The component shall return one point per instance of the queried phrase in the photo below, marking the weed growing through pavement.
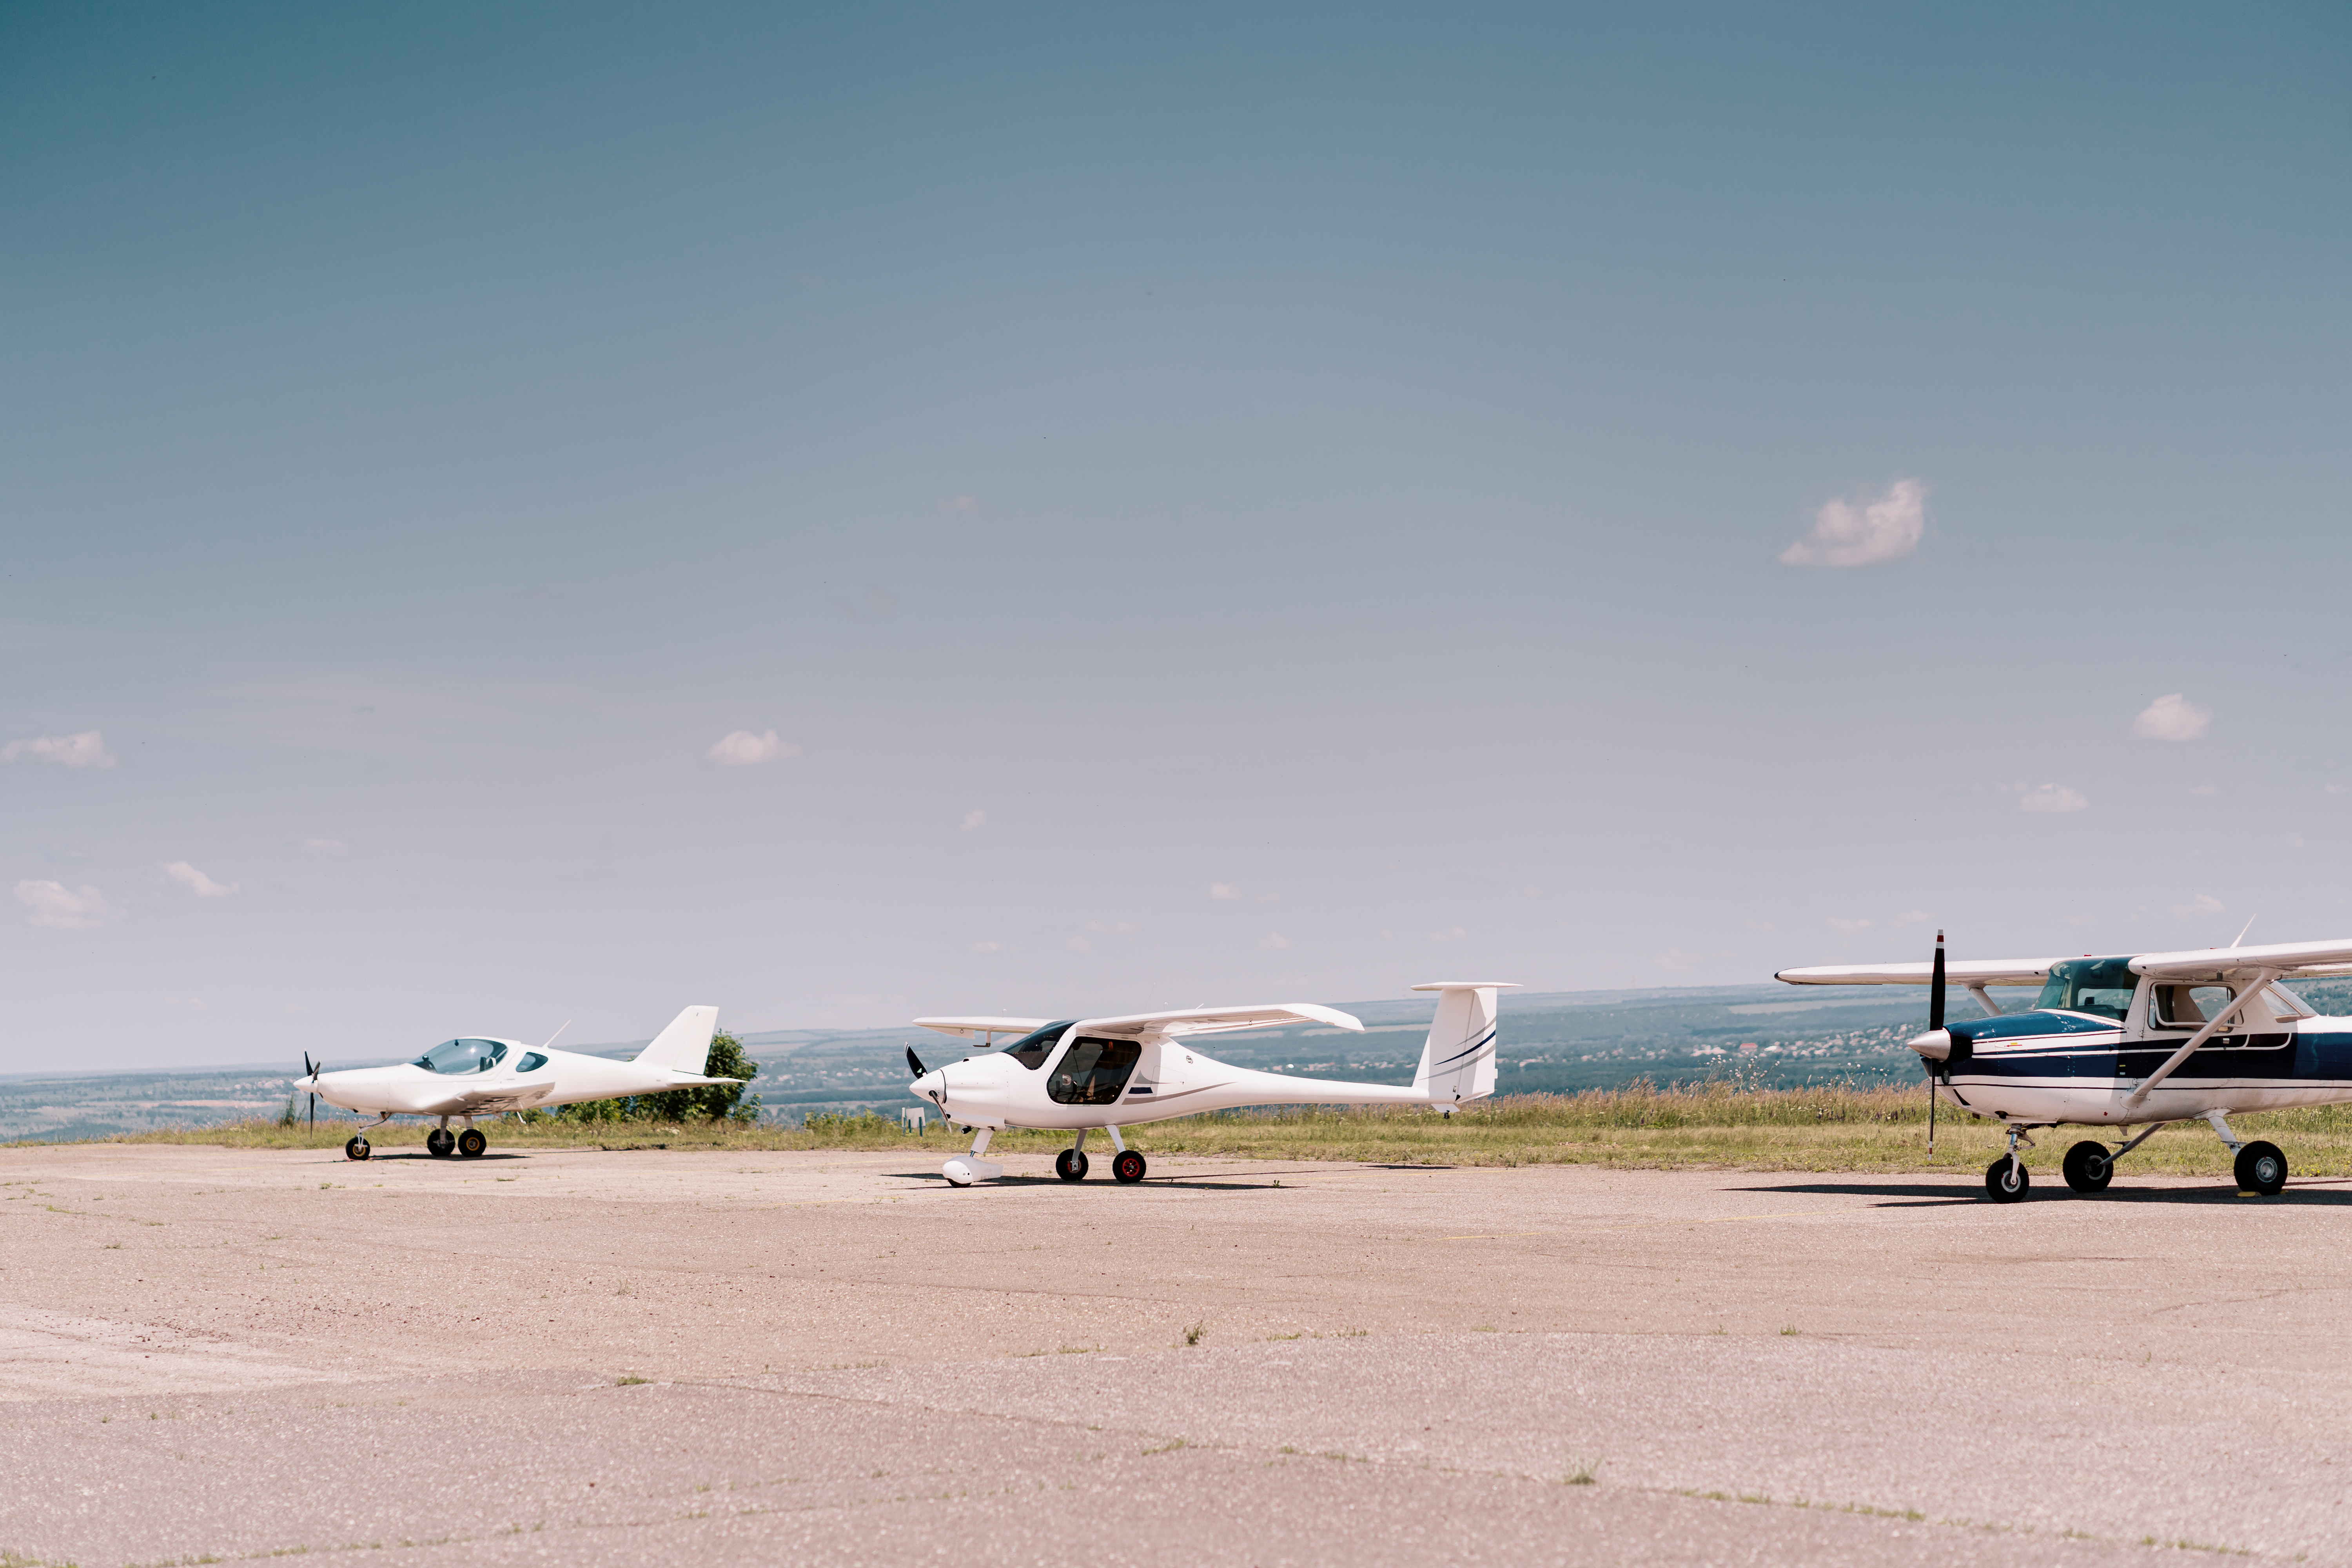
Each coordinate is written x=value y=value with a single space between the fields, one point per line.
x=1193 y=1335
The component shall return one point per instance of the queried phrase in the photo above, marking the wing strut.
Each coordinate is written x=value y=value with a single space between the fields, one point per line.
x=2138 y=1097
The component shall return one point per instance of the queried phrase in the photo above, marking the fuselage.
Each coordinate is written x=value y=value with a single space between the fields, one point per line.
x=1091 y=1081
x=2060 y=1064
x=478 y=1076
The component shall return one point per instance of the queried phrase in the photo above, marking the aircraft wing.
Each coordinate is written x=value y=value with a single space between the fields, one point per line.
x=2289 y=958
x=1219 y=1020
x=1960 y=972
x=966 y=1027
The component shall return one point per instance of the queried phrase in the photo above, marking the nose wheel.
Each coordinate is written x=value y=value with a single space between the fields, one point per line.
x=1070 y=1165
x=355 y=1148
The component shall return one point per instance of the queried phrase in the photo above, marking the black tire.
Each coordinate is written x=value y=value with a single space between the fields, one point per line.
x=1070 y=1165
x=2261 y=1168
x=356 y=1149
x=2089 y=1167
x=2006 y=1181
x=1127 y=1168
x=472 y=1143
x=440 y=1142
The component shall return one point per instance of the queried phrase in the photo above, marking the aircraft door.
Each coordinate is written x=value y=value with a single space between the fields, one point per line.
x=1094 y=1071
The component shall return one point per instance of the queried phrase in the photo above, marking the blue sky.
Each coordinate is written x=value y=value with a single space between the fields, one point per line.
x=1224 y=503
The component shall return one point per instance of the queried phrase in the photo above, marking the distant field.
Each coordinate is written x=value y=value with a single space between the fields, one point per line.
x=1822 y=1129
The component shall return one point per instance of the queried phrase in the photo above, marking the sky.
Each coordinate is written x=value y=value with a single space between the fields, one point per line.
x=528 y=514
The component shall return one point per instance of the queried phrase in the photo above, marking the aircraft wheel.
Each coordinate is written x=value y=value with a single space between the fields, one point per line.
x=355 y=1148
x=1070 y=1165
x=2007 y=1180
x=2262 y=1169
x=1127 y=1167
x=440 y=1143
x=2089 y=1167
x=470 y=1143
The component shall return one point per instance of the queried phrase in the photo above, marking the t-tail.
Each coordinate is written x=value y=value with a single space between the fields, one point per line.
x=1458 y=1062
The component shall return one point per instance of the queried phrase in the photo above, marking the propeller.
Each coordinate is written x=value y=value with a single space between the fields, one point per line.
x=1935 y=1022
x=915 y=1063
x=311 y=1072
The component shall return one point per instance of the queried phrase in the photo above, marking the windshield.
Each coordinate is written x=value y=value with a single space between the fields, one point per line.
x=1032 y=1049
x=2101 y=985
x=462 y=1056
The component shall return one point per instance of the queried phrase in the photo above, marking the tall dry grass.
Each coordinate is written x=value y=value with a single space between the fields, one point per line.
x=1641 y=1126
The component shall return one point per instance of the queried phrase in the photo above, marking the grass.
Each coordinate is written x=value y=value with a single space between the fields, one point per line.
x=1640 y=1127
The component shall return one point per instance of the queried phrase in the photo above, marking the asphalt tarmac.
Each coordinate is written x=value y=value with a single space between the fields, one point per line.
x=585 y=1357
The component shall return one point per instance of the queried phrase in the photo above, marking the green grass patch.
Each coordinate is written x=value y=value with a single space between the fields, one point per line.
x=1640 y=1127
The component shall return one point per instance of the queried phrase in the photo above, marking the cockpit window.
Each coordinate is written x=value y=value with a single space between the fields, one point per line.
x=1032 y=1049
x=531 y=1062
x=462 y=1056
x=2100 y=985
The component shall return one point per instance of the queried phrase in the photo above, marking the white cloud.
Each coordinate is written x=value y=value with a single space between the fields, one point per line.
x=2202 y=904
x=1913 y=918
x=2172 y=717
x=331 y=846
x=1886 y=528
x=196 y=881
x=64 y=909
x=960 y=503
x=2210 y=790
x=1273 y=941
x=2337 y=788
x=2294 y=841
x=1223 y=890
x=2049 y=797
x=973 y=818
x=1457 y=934
x=86 y=750
x=1078 y=945
x=1848 y=927
x=985 y=947
x=185 y=1000
x=740 y=749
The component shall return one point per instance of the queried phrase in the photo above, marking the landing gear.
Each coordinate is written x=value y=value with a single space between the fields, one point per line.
x=470 y=1143
x=2089 y=1167
x=440 y=1142
x=966 y=1169
x=1070 y=1165
x=355 y=1148
x=2262 y=1169
x=1127 y=1167
x=2006 y=1181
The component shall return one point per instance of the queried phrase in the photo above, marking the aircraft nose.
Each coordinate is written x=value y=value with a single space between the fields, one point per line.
x=1936 y=1045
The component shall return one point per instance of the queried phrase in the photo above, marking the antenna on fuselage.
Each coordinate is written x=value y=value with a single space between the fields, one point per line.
x=560 y=1028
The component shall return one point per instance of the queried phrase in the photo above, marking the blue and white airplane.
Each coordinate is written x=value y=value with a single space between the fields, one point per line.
x=2126 y=1041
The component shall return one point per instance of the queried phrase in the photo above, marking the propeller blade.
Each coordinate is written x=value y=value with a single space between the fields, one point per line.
x=915 y=1063
x=307 y=1070
x=1934 y=1021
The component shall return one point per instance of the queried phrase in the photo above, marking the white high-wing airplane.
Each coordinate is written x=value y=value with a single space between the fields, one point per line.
x=1080 y=1074
x=2126 y=1040
x=476 y=1075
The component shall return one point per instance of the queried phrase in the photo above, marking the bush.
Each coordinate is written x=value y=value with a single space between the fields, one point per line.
x=707 y=1101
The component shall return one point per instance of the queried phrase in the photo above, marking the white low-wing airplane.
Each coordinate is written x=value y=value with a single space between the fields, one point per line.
x=477 y=1076
x=2126 y=1040
x=1080 y=1074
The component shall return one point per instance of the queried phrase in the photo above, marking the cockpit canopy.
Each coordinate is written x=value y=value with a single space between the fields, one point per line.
x=462 y=1056
x=1032 y=1049
x=2100 y=985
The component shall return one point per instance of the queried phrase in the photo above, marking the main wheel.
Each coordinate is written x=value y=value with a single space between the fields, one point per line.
x=1127 y=1167
x=2262 y=1169
x=2006 y=1180
x=1070 y=1165
x=440 y=1143
x=355 y=1148
x=2089 y=1167
x=470 y=1143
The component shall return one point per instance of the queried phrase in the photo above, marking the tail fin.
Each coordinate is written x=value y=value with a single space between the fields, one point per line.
x=685 y=1045
x=1458 y=1062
